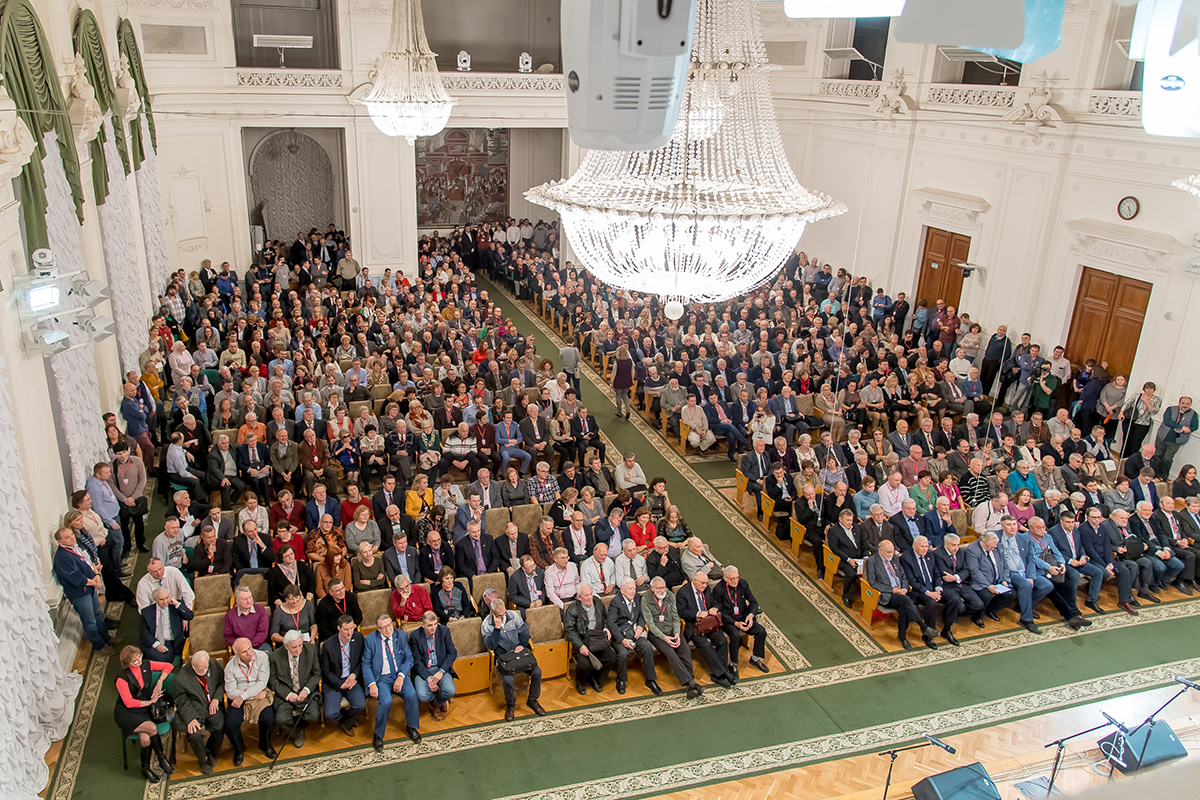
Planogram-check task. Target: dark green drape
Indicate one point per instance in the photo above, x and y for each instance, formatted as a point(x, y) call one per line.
point(32, 82)
point(127, 42)
point(89, 43)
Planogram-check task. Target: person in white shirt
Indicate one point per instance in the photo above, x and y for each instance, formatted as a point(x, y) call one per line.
point(893, 494)
point(987, 516)
point(562, 579)
point(159, 574)
point(960, 365)
point(557, 388)
point(599, 570)
point(630, 565)
point(629, 474)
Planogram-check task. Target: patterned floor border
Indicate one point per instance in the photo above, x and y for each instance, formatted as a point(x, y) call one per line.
point(839, 745)
point(402, 750)
point(825, 606)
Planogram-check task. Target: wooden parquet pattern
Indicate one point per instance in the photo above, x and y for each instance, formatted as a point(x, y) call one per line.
point(473, 709)
point(883, 631)
point(1012, 752)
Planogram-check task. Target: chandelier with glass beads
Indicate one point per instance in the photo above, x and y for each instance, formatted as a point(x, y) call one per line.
point(1190, 184)
point(407, 96)
point(716, 211)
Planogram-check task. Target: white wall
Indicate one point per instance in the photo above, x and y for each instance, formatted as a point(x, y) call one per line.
point(535, 157)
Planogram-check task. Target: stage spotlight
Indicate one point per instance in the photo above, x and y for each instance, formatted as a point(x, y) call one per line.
point(47, 339)
point(97, 327)
point(91, 292)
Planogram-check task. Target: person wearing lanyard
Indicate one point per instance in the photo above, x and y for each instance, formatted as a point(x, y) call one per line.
point(694, 602)
point(1051, 562)
point(885, 575)
point(199, 707)
point(665, 631)
point(739, 618)
point(342, 674)
point(433, 654)
point(80, 578)
point(387, 660)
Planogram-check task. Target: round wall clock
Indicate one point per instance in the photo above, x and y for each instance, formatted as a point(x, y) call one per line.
point(1128, 208)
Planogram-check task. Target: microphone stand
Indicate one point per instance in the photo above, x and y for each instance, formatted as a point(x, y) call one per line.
point(1150, 720)
point(1060, 744)
point(892, 754)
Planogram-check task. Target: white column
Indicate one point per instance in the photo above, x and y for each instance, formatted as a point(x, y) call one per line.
point(384, 201)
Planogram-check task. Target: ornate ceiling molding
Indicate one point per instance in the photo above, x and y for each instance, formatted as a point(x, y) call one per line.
point(943, 206)
point(290, 79)
point(380, 7)
point(502, 82)
point(196, 4)
point(1123, 245)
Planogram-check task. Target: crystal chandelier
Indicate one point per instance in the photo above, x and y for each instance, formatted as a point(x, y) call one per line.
point(407, 97)
point(716, 211)
point(1190, 184)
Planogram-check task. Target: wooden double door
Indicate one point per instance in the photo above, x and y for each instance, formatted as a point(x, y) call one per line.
point(1107, 322)
point(941, 277)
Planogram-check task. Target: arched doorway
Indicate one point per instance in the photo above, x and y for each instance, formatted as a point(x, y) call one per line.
point(291, 180)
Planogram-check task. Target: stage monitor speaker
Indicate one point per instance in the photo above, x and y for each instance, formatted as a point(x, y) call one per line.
point(971, 782)
point(1123, 751)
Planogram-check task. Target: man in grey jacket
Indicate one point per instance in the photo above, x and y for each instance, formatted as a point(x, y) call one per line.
point(886, 575)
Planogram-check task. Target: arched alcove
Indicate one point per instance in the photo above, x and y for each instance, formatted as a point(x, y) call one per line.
point(292, 179)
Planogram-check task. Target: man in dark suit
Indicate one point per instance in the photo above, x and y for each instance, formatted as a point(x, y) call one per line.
point(487, 489)
point(535, 435)
point(253, 552)
point(223, 472)
point(162, 634)
point(694, 601)
point(627, 625)
point(951, 563)
point(295, 676)
point(834, 502)
point(663, 561)
point(886, 575)
point(586, 433)
point(387, 495)
point(512, 547)
point(1068, 538)
point(212, 555)
point(527, 585)
point(990, 580)
point(778, 487)
point(1049, 507)
point(199, 696)
point(906, 526)
point(285, 462)
point(1101, 539)
point(875, 528)
point(739, 618)
point(755, 467)
point(781, 453)
point(339, 602)
point(921, 564)
point(435, 556)
point(400, 559)
point(937, 523)
point(475, 553)
point(254, 467)
point(433, 654)
point(850, 548)
point(1167, 527)
point(342, 676)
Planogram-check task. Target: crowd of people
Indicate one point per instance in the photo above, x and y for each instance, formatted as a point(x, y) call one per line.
point(869, 420)
point(241, 418)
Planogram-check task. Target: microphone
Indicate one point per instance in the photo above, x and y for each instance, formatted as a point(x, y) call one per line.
point(1115, 724)
point(939, 743)
point(1187, 683)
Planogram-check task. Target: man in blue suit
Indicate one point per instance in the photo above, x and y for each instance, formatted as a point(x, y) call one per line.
point(612, 529)
point(1017, 553)
point(162, 633)
point(433, 653)
point(787, 412)
point(387, 660)
point(1068, 538)
point(990, 579)
point(320, 505)
point(937, 523)
point(721, 424)
point(1051, 564)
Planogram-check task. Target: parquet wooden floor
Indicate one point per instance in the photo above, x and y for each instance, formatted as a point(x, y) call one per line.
point(883, 631)
point(1012, 753)
point(477, 708)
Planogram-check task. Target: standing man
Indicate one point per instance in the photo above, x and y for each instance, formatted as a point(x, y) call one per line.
point(79, 575)
point(1178, 422)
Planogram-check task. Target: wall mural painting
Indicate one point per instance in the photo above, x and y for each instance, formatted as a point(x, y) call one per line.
point(462, 176)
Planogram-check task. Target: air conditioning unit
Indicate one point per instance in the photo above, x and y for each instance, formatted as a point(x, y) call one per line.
point(283, 43)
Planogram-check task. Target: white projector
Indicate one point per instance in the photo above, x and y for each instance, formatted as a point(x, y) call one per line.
point(625, 63)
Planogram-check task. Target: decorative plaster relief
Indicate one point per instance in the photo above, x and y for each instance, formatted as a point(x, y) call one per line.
point(1001, 97)
point(502, 82)
point(16, 142)
point(1123, 245)
point(1116, 105)
point(82, 107)
point(290, 79)
point(175, 3)
point(188, 210)
point(943, 206)
point(854, 90)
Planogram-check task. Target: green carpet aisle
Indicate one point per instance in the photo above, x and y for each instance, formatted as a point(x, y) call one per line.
point(850, 699)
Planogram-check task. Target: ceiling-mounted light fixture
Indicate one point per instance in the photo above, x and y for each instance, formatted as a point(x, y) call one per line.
point(407, 96)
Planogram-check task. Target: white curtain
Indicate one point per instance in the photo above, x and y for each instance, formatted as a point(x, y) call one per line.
point(74, 370)
point(120, 255)
point(37, 694)
point(152, 217)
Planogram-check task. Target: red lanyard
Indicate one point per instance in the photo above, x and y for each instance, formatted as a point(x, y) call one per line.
point(733, 596)
point(341, 607)
point(204, 682)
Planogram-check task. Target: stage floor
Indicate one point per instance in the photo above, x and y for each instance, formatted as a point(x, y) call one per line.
point(1012, 753)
